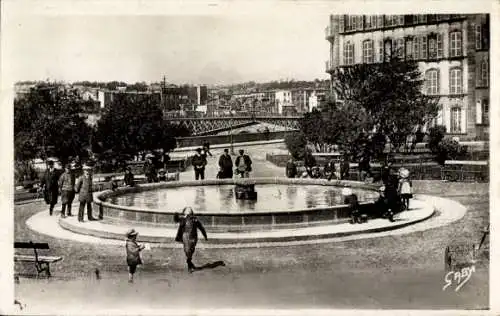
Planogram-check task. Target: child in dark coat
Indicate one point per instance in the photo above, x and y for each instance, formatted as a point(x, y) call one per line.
point(133, 253)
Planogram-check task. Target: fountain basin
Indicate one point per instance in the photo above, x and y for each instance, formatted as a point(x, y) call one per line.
point(219, 220)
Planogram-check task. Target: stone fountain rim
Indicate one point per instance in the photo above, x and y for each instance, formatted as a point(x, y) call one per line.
point(100, 196)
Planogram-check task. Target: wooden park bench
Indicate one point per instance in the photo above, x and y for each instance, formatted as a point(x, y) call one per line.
point(42, 263)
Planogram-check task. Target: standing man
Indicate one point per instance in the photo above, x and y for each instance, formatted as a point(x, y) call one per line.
point(243, 164)
point(188, 234)
point(50, 186)
point(344, 168)
point(291, 169)
point(150, 169)
point(84, 188)
point(199, 162)
point(67, 187)
point(226, 165)
point(309, 162)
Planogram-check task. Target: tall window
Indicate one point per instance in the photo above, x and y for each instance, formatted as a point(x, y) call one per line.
point(350, 24)
point(432, 47)
point(400, 47)
point(380, 21)
point(400, 19)
point(439, 46)
point(455, 44)
point(394, 20)
point(387, 50)
point(456, 81)
point(432, 81)
point(420, 18)
point(423, 47)
point(483, 74)
point(456, 120)
point(368, 51)
point(359, 22)
point(370, 21)
point(348, 53)
point(409, 48)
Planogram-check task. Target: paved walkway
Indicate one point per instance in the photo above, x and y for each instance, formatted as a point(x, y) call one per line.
point(402, 269)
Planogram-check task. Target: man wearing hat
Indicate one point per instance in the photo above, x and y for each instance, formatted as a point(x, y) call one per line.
point(226, 165)
point(67, 187)
point(133, 250)
point(150, 169)
point(199, 162)
point(50, 186)
point(243, 164)
point(128, 179)
point(188, 234)
point(83, 186)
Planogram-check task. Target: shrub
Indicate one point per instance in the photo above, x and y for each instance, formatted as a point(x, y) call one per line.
point(436, 135)
point(296, 144)
point(449, 149)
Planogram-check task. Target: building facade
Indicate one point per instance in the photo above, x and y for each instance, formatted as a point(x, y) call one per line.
point(452, 51)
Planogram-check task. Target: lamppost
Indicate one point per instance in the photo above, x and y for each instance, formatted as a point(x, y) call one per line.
point(231, 130)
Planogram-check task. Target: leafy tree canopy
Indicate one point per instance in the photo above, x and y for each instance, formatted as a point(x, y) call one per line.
point(380, 103)
point(131, 125)
point(48, 122)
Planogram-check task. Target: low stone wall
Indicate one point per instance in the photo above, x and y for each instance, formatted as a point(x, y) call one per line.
point(452, 171)
point(221, 222)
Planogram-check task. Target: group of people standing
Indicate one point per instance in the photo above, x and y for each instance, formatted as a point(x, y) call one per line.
point(68, 184)
point(242, 165)
point(331, 170)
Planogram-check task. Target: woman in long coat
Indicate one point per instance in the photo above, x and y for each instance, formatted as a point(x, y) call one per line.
point(188, 234)
point(50, 186)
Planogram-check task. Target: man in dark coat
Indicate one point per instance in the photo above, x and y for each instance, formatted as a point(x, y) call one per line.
point(50, 186)
point(188, 234)
point(309, 162)
point(150, 169)
point(83, 186)
point(329, 169)
point(67, 187)
point(344, 168)
point(128, 179)
point(199, 162)
point(291, 169)
point(243, 164)
point(226, 165)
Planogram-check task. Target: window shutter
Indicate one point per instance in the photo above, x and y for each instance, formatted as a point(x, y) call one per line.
point(462, 125)
point(380, 51)
point(479, 112)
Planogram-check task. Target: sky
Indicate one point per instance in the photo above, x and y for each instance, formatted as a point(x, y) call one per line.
point(208, 49)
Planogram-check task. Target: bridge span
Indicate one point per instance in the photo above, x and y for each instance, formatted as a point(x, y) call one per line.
point(200, 126)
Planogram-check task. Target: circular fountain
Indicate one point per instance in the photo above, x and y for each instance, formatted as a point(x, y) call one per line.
point(283, 203)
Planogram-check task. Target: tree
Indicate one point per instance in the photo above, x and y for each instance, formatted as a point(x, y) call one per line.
point(134, 124)
point(48, 122)
point(380, 103)
point(436, 135)
point(296, 144)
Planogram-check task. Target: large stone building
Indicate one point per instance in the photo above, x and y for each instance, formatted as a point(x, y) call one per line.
point(452, 51)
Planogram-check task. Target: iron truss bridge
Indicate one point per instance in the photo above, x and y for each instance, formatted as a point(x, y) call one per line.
point(213, 125)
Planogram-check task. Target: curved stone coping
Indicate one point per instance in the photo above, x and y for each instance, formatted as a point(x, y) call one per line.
point(448, 211)
point(422, 212)
point(100, 197)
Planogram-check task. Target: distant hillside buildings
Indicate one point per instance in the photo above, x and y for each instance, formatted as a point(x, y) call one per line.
point(199, 100)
